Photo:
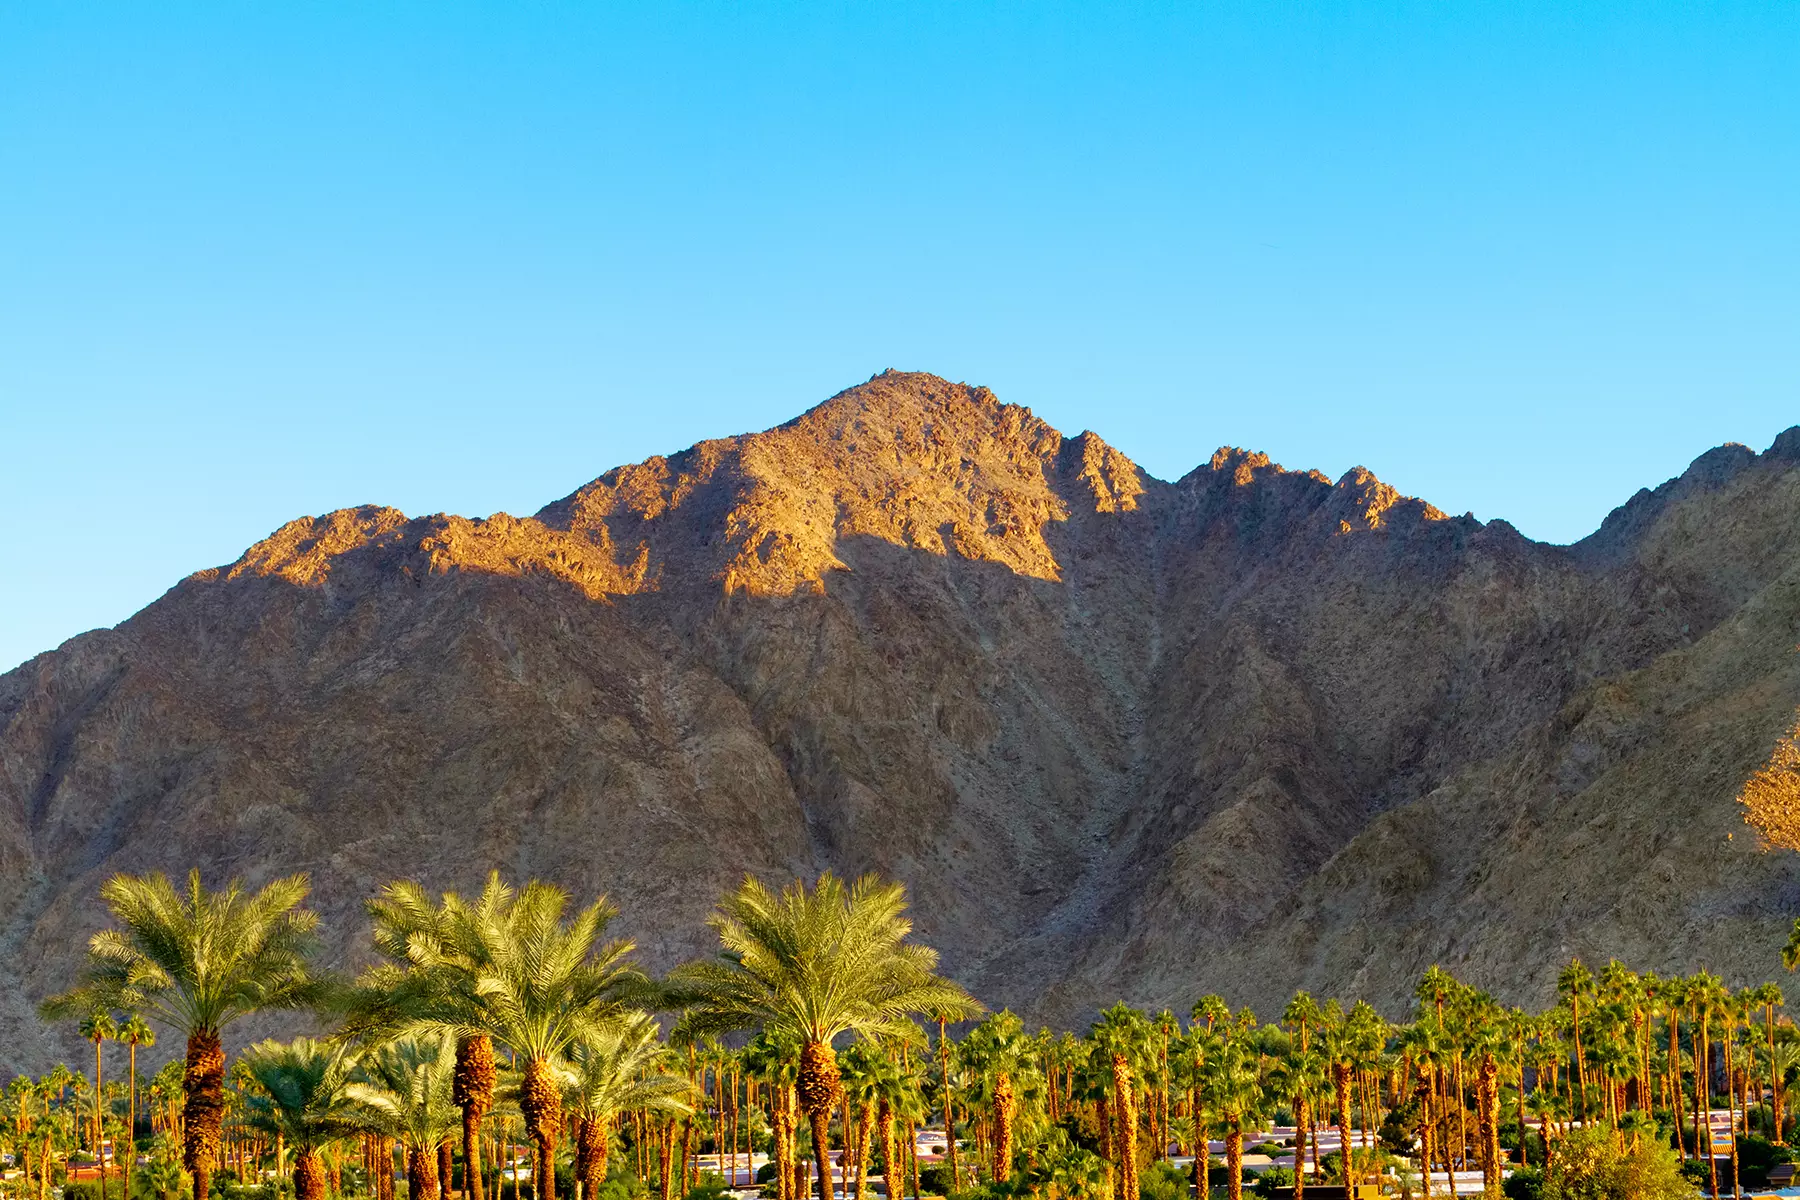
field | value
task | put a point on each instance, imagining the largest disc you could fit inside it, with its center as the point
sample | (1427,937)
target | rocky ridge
(1250,730)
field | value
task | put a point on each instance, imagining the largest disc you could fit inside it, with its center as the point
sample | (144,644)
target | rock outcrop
(1248,731)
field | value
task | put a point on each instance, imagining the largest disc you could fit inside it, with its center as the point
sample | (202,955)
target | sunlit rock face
(1249,731)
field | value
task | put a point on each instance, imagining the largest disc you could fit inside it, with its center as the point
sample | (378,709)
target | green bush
(766,1173)
(936,1181)
(1399,1128)
(1756,1156)
(1272,1181)
(81,1191)
(1696,1172)
(1526,1183)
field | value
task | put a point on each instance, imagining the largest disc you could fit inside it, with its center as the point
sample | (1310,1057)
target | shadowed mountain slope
(1244,732)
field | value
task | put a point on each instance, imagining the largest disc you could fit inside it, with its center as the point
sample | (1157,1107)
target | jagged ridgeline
(1245,732)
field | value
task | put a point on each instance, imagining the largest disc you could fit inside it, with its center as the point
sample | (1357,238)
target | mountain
(1247,731)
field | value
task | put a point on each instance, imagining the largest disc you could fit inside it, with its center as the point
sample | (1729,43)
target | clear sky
(260,260)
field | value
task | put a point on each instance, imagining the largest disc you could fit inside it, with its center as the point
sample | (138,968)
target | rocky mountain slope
(1246,731)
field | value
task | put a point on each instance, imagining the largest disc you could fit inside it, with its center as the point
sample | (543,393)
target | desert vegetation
(505,1045)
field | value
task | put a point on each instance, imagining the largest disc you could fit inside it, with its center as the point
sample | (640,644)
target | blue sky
(265,260)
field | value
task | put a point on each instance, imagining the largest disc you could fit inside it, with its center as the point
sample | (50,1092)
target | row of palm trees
(512,968)
(508,1006)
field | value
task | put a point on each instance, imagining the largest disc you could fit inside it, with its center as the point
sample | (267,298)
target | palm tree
(999,1050)
(1122,1034)
(1574,983)
(405,1085)
(1231,1088)
(98,1027)
(301,1093)
(1783,1060)
(544,984)
(135,1032)
(773,1056)
(1706,996)
(1299,1077)
(816,964)
(429,979)
(621,1068)
(195,963)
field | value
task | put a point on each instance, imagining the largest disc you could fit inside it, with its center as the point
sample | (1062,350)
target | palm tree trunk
(540,1100)
(1487,1100)
(912,1158)
(1234,1160)
(1104,1111)
(1730,1110)
(949,1114)
(1425,1122)
(1524,1134)
(203,1107)
(819,1085)
(1340,1082)
(666,1159)
(783,1106)
(309,1175)
(1302,1118)
(421,1173)
(1125,1186)
(473,1092)
(1580,1062)
(590,1140)
(687,1156)
(132,1139)
(1005,1102)
(446,1169)
(736,1083)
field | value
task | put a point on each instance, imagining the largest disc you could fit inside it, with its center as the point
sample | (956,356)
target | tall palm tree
(816,964)
(773,1056)
(1783,1061)
(405,1085)
(98,1027)
(1707,996)
(135,1032)
(999,1050)
(1122,1034)
(429,978)
(1231,1088)
(1299,1077)
(301,1093)
(1573,984)
(544,982)
(619,1069)
(195,962)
